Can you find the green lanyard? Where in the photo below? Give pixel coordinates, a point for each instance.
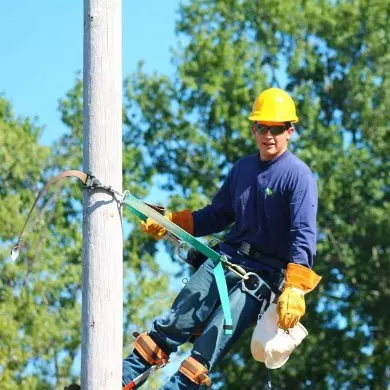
(142, 211)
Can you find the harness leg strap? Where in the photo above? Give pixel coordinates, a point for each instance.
(195, 371)
(149, 350)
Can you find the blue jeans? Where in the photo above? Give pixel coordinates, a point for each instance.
(197, 308)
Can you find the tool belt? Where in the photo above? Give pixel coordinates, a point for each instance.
(247, 249)
(196, 259)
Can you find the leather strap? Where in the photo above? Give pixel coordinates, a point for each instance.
(195, 371)
(149, 350)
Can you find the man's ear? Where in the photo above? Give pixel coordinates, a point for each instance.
(290, 132)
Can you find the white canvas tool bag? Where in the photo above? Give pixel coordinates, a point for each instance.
(272, 345)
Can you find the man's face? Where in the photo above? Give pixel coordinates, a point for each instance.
(272, 145)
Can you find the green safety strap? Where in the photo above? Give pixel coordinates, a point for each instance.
(142, 211)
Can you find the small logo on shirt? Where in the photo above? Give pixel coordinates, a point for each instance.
(267, 191)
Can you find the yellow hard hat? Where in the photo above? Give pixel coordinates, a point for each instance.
(274, 105)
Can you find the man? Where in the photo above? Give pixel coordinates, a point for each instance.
(270, 199)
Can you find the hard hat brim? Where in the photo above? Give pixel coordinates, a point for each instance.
(260, 118)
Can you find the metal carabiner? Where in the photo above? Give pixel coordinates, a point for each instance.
(235, 268)
(213, 242)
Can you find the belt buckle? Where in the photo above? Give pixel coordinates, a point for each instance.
(245, 249)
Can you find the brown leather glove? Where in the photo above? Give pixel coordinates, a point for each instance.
(291, 305)
(183, 219)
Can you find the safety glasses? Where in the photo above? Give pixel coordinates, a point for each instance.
(274, 130)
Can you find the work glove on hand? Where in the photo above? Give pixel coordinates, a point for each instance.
(291, 304)
(183, 219)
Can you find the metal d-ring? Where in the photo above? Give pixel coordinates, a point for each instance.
(258, 284)
(182, 250)
(214, 241)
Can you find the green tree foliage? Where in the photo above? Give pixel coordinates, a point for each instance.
(333, 57)
(40, 294)
(30, 317)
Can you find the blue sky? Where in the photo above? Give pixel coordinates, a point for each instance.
(41, 50)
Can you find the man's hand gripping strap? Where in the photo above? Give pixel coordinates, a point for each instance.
(195, 371)
(149, 350)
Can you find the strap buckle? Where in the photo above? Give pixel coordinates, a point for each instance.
(245, 249)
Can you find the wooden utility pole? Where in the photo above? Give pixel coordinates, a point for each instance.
(101, 354)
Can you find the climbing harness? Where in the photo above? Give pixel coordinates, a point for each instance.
(143, 210)
(191, 257)
(174, 233)
(247, 249)
(251, 282)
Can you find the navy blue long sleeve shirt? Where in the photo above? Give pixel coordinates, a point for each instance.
(270, 204)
